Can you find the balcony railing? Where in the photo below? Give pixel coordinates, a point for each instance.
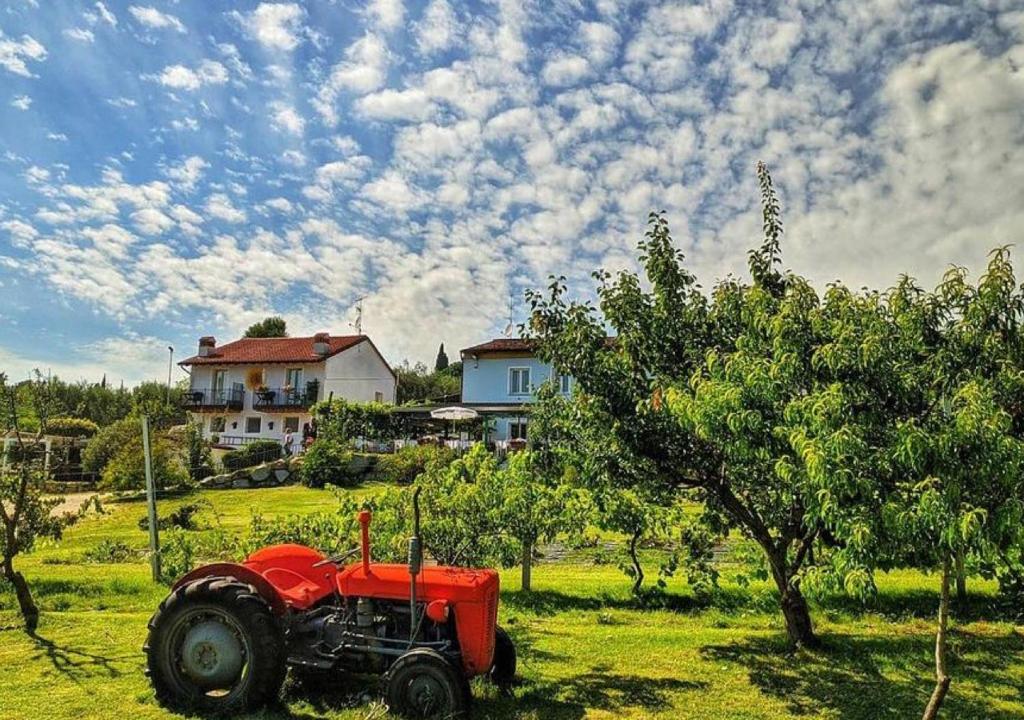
(230, 398)
(283, 398)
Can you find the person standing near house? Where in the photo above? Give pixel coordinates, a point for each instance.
(287, 443)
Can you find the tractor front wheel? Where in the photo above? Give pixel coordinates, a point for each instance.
(503, 668)
(422, 684)
(214, 646)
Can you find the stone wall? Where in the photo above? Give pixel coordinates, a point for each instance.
(271, 474)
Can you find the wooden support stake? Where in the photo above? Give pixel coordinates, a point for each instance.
(154, 534)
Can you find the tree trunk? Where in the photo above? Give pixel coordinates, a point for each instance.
(942, 678)
(527, 565)
(29, 611)
(961, 580)
(638, 570)
(794, 606)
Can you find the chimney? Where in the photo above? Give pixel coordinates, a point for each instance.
(207, 345)
(322, 344)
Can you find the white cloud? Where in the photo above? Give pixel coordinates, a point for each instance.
(282, 205)
(20, 230)
(363, 70)
(337, 173)
(437, 29)
(293, 158)
(208, 72)
(36, 175)
(411, 104)
(151, 221)
(565, 70)
(286, 118)
(58, 137)
(219, 206)
(601, 41)
(105, 15)
(22, 102)
(15, 53)
(386, 14)
(122, 102)
(80, 34)
(188, 172)
(153, 18)
(276, 26)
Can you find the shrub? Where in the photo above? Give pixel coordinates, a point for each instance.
(109, 441)
(127, 470)
(197, 456)
(341, 420)
(72, 427)
(327, 462)
(403, 466)
(112, 551)
(255, 453)
(329, 531)
(262, 451)
(182, 551)
(184, 518)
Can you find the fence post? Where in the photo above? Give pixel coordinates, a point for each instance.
(154, 534)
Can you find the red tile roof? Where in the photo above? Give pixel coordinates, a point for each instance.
(502, 345)
(527, 345)
(274, 350)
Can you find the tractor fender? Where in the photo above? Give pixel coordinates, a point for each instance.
(240, 572)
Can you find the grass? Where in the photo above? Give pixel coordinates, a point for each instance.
(586, 650)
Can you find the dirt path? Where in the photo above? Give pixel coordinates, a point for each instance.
(73, 501)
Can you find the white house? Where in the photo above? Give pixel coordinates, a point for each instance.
(499, 381)
(260, 388)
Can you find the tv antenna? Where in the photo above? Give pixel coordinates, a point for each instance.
(358, 324)
(510, 328)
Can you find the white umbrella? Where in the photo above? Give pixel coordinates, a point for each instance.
(454, 413)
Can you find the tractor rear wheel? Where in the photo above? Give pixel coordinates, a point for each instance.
(214, 646)
(423, 684)
(503, 668)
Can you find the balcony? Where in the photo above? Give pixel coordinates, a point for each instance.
(214, 399)
(285, 398)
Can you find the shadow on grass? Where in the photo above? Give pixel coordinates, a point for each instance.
(76, 665)
(867, 678)
(552, 602)
(561, 699)
(893, 605)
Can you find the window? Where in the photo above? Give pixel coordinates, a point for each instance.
(565, 384)
(293, 378)
(220, 379)
(378, 397)
(291, 424)
(217, 424)
(253, 424)
(519, 381)
(517, 429)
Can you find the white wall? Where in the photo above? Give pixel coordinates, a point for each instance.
(357, 374)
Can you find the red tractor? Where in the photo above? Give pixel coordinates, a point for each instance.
(222, 641)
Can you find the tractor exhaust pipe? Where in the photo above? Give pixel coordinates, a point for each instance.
(364, 522)
(415, 563)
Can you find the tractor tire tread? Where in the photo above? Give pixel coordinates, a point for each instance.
(253, 613)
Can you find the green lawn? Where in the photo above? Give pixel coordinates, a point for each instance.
(585, 649)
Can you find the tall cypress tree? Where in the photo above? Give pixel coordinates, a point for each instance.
(442, 359)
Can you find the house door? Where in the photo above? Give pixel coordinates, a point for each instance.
(220, 378)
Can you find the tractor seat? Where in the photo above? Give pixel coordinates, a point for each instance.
(294, 588)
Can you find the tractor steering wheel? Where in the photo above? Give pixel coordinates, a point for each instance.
(336, 559)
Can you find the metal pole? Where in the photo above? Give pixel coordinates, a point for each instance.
(154, 534)
(170, 361)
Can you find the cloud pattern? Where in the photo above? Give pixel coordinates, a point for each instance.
(182, 170)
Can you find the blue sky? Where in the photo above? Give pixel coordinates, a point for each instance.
(176, 169)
